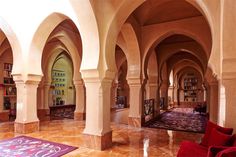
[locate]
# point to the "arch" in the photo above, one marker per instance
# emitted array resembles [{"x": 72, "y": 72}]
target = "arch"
[
  {"x": 212, "y": 22},
  {"x": 165, "y": 52},
  {"x": 47, "y": 65},
  {"x": 121, "y": 42},
  {"x": 184, "y": 64},
  {"x": 186, "y": 56},
  {"x": 153, "y": 39},
  {"x": 133, "y": 51},
  {"x": 124, "y": 10},
  {"x": 15, "y": 46},
  {"x": 50, "y": 23}
]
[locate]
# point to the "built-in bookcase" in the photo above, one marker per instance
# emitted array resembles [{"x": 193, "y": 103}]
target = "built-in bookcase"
[
  {"x": 9, "y": 88},
  {"x": 190, "y": 88}
]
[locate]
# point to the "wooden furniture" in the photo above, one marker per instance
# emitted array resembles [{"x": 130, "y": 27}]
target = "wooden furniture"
[
  {"x": 200, "y": 108},
  {"x": 190, "y": 88},
  {"x": 62, "y": 111},
  {"x": 59, "y": 86},
  {"x": 12, "y": 114},
  {"x": 9, "y": 88}
]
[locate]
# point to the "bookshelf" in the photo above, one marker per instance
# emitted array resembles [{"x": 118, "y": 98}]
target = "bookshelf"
[
  {"x": 190, "y": 88},
  {"x": 59, "y": 86},
  {"x": 9, "y": 88}
]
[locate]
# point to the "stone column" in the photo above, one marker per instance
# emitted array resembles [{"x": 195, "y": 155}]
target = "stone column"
[
  {"x": 46, "y": 95},
  {"x": 151, "y": 90},
  {"x": 135, "y": 112},
  {"x": 213, "y": 104},
  {"x": 79, "y": 113},
  {"x": 113, "y": 93},
  {"x": 230, "y": 108},
  {"x": 26, "y": 116},
  {"x": 222, "y": 105},
  {"x": 164, "y": 93},
  {"x": 171, "y": 95},
  {"x": 97, "y": 132}
]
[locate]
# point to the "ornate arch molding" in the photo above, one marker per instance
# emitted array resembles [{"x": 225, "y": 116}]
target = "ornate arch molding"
[{"x": 7, "y": 31}]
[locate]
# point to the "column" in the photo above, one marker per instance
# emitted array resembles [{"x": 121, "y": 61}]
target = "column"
[
  {"x": 213, "y": 104},
  {"x": 97, "y": 133},
  {"x": 26, "y": 116},
  {"x": 135, "y": 111},
  {"x": 230, "y": 108},
  {"x": 47, "y": 95},
  {"x": 152, "y": 94},
  {"x": 171, "y": 95},
  {"x": 79, "y": 113},
  {"x": 164, "y": 93},
  {"x": 222, "y": 105},
  {"x": 151, "y": 90},
  {"x": 113, "y": 93}
]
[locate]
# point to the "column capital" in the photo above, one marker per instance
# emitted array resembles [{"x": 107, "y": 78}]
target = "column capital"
[
  {"x": 46, "y": 83},
  {"x": 28, "y": 79},
  {"x": 228, "y": 75},
  {"x": 93, "y": 75},
  {"x": 213, "y": 83},
  {"x": 134, "y": 81},
  {"x": 78, "y": 82}
]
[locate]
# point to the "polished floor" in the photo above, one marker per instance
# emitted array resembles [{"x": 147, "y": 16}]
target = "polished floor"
[{"x": 127, "y": 141}]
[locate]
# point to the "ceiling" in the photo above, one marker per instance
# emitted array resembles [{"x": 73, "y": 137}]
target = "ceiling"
[{"x": 154, "y": 12}]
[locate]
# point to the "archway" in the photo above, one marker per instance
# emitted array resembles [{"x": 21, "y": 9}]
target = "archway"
[
  {"x": 8, "y": 91},
  {"x": 64, "y": 44}
]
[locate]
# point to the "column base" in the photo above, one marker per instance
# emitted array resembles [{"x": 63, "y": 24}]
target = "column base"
[
  {"x": 79, "y": 116},
  {"x": 98, "y": 142},
  {"x": 135, "y": 122},
  {"x": 42, "y": 113},
  {"x": 25, "y": 128}
]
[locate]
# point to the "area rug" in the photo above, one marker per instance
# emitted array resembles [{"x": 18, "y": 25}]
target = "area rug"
[
  {"x": 181, "y": 119},
  {"x": 24, "y": 146}
]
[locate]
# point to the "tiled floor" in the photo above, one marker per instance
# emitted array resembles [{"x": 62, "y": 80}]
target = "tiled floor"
[{"x": 127, "y": 141}]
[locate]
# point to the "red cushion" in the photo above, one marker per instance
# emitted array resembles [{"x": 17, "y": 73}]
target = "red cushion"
[
  {"x": 191, "y": 149},
  {"x": 209, "y": 128},
  {"x": 218, "y": 139},
  {"x": 213, "y": 150},
  {"x": 234, "y": 140},
  {"x": 229, "y": 152}
]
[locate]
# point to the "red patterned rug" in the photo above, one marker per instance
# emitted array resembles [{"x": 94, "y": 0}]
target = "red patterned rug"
[
  {"x": 24, "y": 146},
  {"x": 180, "y": 119}
]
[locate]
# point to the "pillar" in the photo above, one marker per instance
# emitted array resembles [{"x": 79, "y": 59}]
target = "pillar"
[
  {"x": 171, "y": 95},
  {"x": 229, "y": 61},
  {"x": 26, "y": 114},
  {"x": 135, "y": 111},
  {"x": 113, "y": 94},
  {"x": 213, "y": 104},
  {"x": 222, "y": 105},
  {"x": 79, "y": 113},
  {"x": 151, "y": 90},
  {"x": 164, "y": 93},
  {"x": 97, "y": 133},
  {"x": 230, "y": 108},
  {"x": 47, "y": 95}
]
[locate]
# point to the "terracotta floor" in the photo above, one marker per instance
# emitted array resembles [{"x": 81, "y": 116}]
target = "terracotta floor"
[{"x": 127, "y": 141}]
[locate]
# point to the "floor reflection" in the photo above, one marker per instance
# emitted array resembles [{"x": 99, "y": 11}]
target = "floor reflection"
[{"x": 127, "y": 141}]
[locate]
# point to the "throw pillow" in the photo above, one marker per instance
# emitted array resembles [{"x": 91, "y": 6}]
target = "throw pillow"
[
  {"x": 218, "y": 139},
  {"x": 229, "y": 152},
  {"x": 209, "y": 127}
]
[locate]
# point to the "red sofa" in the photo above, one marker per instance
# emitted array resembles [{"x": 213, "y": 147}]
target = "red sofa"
[{"x": 216, "y": 142}]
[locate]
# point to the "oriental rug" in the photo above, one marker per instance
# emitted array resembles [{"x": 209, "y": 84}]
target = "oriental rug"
[
  {"x": 24, "y": 146},
  {"x": 180, "y": 119}
]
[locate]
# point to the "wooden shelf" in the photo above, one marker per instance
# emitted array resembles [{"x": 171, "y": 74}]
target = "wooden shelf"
[
  {"x": 9, "y": 95},
  {"x": 9, "y": 87},
  {"x": 8, "y": 84}
]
